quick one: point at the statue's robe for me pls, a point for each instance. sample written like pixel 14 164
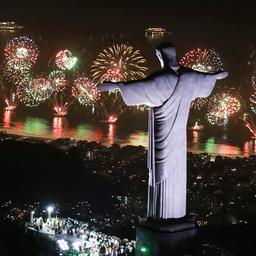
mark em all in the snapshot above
pixel 169 96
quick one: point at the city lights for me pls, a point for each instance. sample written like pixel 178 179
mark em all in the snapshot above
pixel 50 210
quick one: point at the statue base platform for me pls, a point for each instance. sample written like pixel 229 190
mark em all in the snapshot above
pixel 164 237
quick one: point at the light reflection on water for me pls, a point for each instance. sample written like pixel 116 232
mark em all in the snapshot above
pixel 60 127
pixel 212 146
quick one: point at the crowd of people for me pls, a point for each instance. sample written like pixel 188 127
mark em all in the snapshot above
pixel 70 233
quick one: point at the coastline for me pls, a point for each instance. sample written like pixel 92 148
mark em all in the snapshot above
pixel 49 139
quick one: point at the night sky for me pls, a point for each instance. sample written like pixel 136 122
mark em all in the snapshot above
pixel 226 22
pixel 228 26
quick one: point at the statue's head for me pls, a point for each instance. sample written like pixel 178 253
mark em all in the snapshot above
pixel 166 54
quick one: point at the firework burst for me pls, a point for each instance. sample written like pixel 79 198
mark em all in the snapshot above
pixel 202 60
pixel 198 103
pixel 253 95
pixel 85 91
pixel 58 80
pixel 21 51
pixel 60 110
pixel 64 60
pixel 62 99
pixel 222 106
pixel 31 92
pixel 120 62
pixel 14 74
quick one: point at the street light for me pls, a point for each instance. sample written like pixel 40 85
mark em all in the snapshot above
pixel 32 216
pixel 49 210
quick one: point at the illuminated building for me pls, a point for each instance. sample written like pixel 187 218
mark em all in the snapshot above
pixel 157 33
pixel 9 26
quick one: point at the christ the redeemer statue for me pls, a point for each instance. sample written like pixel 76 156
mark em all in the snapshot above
pixel 169 94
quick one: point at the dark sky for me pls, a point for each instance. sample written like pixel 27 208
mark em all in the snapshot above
pixel 215 18
pixel 224 22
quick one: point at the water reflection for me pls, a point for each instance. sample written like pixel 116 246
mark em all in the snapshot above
pixel 83 130
pixel 246 150
pixel 210 146
pixel 7 118
pixel 216 146
pixel 88 132
pixel 219 146
pixel 249 148
pixel 111 134
pixel 35 126
pixel 137 138
pixel 57 126
pixel 61 127
pixel 195 135
pixel 228 150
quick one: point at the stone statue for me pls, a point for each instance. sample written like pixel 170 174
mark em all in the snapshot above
pixel 169 94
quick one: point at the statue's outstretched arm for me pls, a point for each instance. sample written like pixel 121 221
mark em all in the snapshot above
pixel 135 92
pixel 112 86
pixel 205 82
pixel 220 75
pixel 108 86
pixel 151 91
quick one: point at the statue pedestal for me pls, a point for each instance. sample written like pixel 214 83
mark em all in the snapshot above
pixel 166 237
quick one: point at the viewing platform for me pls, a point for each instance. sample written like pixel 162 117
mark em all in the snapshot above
pixel 66 235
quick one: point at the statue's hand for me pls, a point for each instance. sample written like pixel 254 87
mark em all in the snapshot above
pixel 221 75
pixel 108 87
